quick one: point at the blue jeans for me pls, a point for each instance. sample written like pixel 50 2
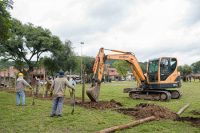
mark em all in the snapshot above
pixel 57 103
pixel 18 95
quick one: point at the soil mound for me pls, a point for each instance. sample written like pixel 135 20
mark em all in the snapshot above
pixel 144 110
pixel 100 105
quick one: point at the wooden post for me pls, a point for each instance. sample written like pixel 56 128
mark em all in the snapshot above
pixel 128 125
pixel 83 85
pixel 183 109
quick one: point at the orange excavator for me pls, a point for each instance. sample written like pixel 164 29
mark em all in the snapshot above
pixel 159 83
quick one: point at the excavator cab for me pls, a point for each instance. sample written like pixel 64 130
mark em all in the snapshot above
pixel 162 73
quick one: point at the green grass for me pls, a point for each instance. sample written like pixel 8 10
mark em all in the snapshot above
pixel 36 118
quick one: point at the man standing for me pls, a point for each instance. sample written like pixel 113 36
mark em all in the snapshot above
pixel 37 86
pixel 72 81
pixel 58 86
pixel 48 86
pixel 20 87
pixel 71 92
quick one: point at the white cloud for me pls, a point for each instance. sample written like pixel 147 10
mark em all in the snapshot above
pixel 148 28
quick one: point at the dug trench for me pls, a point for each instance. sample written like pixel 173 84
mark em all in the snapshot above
pixel 194 120
pixel 140 111
pixel 100 105
pixel 144 110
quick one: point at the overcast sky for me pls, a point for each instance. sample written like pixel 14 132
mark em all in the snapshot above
pixel 148 28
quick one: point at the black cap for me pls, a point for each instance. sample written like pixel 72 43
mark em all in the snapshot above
pixel 61 73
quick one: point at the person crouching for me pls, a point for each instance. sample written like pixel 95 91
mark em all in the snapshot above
pixel 58 87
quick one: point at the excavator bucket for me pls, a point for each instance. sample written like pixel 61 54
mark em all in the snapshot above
pixel 93 92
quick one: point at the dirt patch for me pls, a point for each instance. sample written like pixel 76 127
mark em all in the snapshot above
pixel 144 110
pixel 101 104
pixel 40 96
pixel 195 112
pixel 194 121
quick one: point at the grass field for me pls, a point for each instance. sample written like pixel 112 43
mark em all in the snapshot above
pixel 36 118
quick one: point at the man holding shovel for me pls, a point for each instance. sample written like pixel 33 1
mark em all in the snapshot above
pixel 58 86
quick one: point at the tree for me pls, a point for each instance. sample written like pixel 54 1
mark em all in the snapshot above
pixel 122 67
pixel 87 62
pixel 65 58
pixel 196 67
pixel 62 58
pixel 185 70
pixel 50 66
pixel 143 66
pixel 87 66
pixel 27 43
pixel 5 64
pixel 5 19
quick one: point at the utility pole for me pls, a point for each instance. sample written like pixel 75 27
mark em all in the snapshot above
pixel 82 43
pixel 82 78
pixel 83 86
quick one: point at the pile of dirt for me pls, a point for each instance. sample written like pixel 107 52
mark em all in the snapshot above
pixel 100 105
pixel 144 110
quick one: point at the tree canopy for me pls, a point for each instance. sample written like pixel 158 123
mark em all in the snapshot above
pixel 27 43
pixel 143 65
pixel 185 70
pixel 62 58
pixel 5 19
pixel 122 67
pixel 196 67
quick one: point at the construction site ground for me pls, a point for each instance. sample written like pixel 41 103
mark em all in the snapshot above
pixel 114 108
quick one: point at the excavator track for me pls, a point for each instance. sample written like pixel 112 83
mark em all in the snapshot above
pixel 162 95
pixel 150 95
pixel 175 94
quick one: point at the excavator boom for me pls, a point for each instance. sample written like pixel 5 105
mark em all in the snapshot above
pixel 98 70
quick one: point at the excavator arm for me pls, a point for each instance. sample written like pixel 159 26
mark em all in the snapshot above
pixel 98 70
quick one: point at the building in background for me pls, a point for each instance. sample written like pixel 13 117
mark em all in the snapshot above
pixel 8 76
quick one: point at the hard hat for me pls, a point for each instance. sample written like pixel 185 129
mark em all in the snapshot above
pixel 20 74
